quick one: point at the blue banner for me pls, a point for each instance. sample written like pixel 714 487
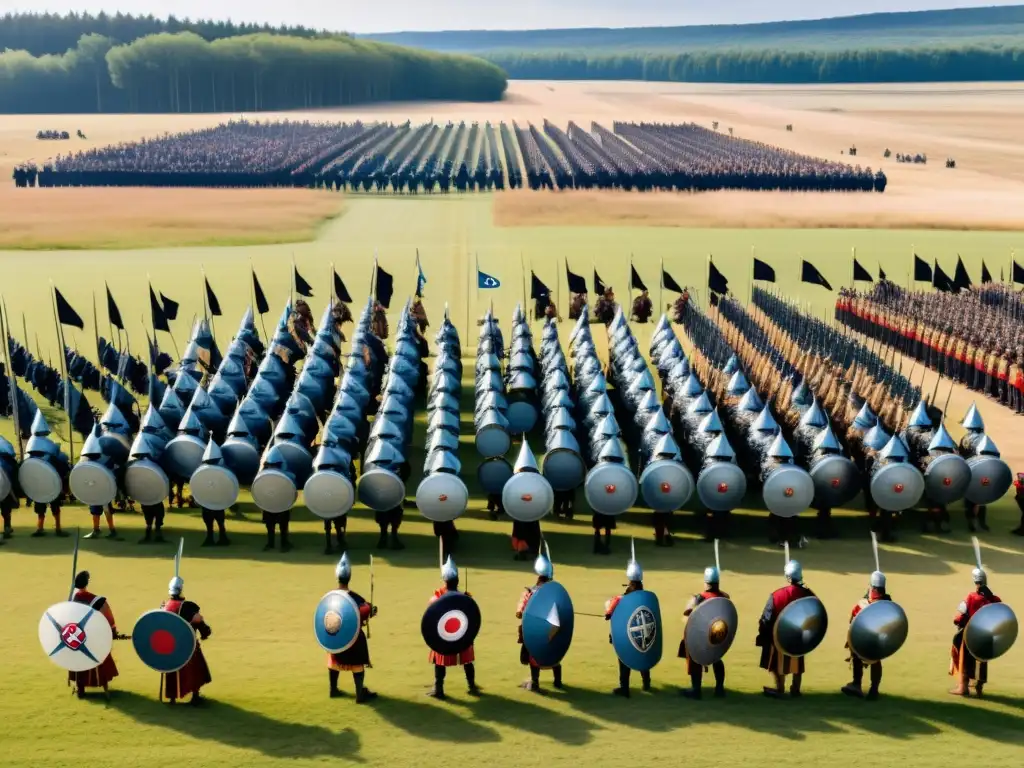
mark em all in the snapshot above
pixel 483 280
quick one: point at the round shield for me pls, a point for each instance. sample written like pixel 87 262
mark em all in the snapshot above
pixel 115 446
pixel 636 630
pixel 990 479
pixel 451 623
pixel 442 497
pixel 527 497
pixel 721 486
pixel 298 459
pixel 40 481
pixel 522 416
pixel 274 491
pixel 92 483
pixel 243 458
pixel 146 482
pixel 182 456
pixel 946 478
pixel 878 631
pixel 5 483
pixel 666 485
pixel 836 481
pixel 548 624
pixel 492 475
pixel 564 469
pixel 801 626
pixel 163 640
pixel 214 487
pixel 328 494
pixel 380 489
pixel 336 621
pixel 610 489
pixel 788 491
pixel 991 631
pixel 896 487
pixel 492 441
pixel 710 630
pixel 75 637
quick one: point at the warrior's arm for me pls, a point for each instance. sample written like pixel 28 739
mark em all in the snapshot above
pixel 960 620
pixel 109 615
pixel 691 605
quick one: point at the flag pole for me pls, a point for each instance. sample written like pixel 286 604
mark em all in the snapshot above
pixel 64 372
pixel 661 285
pixel 853 269
pixel 331 280
pixel 750 291
pixel 522 268
pixel 12 381
pixel 707 281
pixel 373 277
pixel 95 326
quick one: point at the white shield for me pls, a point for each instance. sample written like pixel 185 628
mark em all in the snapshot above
pixel 93 483
pixel 328 494
pixel 146 482
pixel 74 636
pixel 39 480
pixel 442 497
pixel 214 487
pixel 274 491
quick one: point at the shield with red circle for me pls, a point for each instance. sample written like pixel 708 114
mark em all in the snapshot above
pixel 163 640
pixel 451 623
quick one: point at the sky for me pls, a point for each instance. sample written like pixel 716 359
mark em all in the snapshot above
pixel 361 16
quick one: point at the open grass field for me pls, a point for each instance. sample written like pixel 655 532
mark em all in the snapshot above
pixel 269 697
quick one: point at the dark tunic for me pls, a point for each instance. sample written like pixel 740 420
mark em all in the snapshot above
pixel 358 656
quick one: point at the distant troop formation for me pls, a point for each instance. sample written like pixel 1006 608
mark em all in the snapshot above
pixel 404 158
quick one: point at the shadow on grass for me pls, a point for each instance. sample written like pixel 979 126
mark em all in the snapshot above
pixel 434 721
pixel 528 716
pixel 239 728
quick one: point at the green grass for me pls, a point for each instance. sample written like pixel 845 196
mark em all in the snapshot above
pixel 269 697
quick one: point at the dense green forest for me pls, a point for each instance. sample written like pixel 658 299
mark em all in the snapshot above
pixel 183 72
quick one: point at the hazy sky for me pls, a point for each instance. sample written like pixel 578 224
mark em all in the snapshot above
pixel 396 15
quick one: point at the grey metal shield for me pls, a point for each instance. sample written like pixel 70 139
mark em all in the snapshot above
pixel 710 630
pixel 92 483
pixel 611 489
pixel 564 469
pixel 442 497
pixel 492 475
pixel 666 485
pixel 527 497
pixel 896 487
pixel 522 416
pixel 946 478
pixel 836 481
pixel 328 494
pixel 182 456
pixel 116 446
pixel 242 457
pixel 991 631
pixel 5 483
pixel 492 441
pixel 721 486
pixel 146 482
pixel 788 491
pixel 40 481
pixel 990 479
pixel 214 487
pixel 878 631
pixel 380 489
pixel 274 491
pixel 801 626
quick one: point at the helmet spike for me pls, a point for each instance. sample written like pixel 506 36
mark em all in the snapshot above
pixel 977 550
pixel 718 564
pixel 874 546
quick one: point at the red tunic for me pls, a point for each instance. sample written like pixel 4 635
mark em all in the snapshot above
pixel 450 659
pixel 692 668
pixel 107 671
pixel 771 658
pixel 195 674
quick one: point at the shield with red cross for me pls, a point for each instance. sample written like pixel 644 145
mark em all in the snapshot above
pixel 451 623
pixel 75 637
pixel 163 640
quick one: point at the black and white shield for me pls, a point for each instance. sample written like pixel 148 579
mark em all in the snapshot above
pixel 451 623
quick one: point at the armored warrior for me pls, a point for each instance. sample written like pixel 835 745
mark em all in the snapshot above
pixel 357 658
pixel 604 311
pixel 441 662
pixel 643 308
pixel 419 315
pixel 545 572
pixel 696 671
pixel 39 446
pixel 98 677
pixel 212 456
pixel 962 665
pixel 195 674
pixel 777 663
pixel 876 592
pixel 679 307
pixel 379 324
pixel 576 304
pixel 635 577
pixel 274 520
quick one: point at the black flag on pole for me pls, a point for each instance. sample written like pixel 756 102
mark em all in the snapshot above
pixel 576 282
pixel 112 311
pixel 763 271
pixel 922 270
pixel 537 289
pixel 211 299
pixel 941 280
pixel 384 287
pixel 669 283
pixel 636 282
pixel 599 286
pixel 961 279
pixel 169 307
pixel 717 282
pixel 340 290
pixel 262 307
pixel 881 273
pixel 66 313
pixel 1018 273
pixel 301 286
pixel 986 276
pixel 810 274
pixel 159 315
pixel 861 274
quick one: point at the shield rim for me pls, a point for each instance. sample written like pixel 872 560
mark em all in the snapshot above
pixel 775 628
pixel 105 472
pixel 317 616
pixel 222 472
pixel 425 497
pixel 849 631
pixel 136 634
pixel 88 613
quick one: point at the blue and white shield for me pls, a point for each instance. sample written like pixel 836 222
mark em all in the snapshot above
pixel 548 623
pixel 75 637
pixel 636 630
pixel 164 641
pixel 336 621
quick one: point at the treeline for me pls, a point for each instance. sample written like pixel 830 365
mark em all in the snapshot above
pixel 882 65
pixel 185 73
pixel 42 33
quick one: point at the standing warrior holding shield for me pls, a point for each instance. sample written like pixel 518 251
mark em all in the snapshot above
pixel 545 571
pixel 356 658
pixel 98 677
pixel 774 659
pixel 635 628
pixel 452 627
pixel 717 637
pixel 195 674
